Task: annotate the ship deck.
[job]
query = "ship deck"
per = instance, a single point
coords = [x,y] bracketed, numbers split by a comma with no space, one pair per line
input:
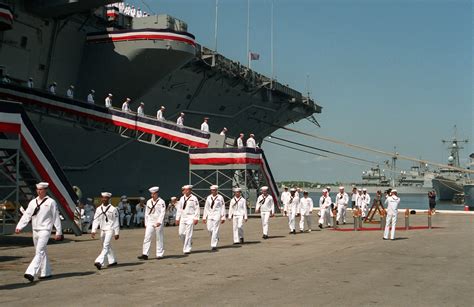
[421,268]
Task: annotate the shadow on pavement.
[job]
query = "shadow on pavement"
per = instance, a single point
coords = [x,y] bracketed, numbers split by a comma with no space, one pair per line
[27,284]
[9,258]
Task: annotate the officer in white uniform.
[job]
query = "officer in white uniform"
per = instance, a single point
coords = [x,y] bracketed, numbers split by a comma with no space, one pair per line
[44,214]
[366,202]
[154,217]
[324,209]
[285,195]
[187,215]
[90,97]
[251,141]
[160,113]
[141,109]
[205,125]
[305,210]
[126,105]
[125,211]
[52,88]
[354,197]
[341,201]
[107,218]
[140,212]
[266,206]
[214,215]
[70,92]
[30,83]
[108,101]
[391,203]
[290,208]
[238,215]
[359,199]
[240,141]
[180,120]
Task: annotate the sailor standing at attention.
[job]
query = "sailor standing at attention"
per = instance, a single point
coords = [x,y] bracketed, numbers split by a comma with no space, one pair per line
[140,212]
[90,97]
[205,125]
[391,203]
[126,105]
[290,209]
[141,109]
[107,218]
[238,214]
[342,200]
[354,197]
[266,206]
[180,120]
[187,215]
[108,101]
[366,202]
[52,88]
[251,141]
[324,209]
[44,214]
[70,92]
[160,113]
[223,132]
[240,141]
[359,199]
[285,195]
[125,211]
[30,83]
[305,210]
[214,215]
[154,216]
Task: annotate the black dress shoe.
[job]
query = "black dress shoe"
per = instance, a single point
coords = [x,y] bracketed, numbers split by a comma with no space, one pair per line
[159,258]
[30,278]
[143,257]
[45,277]
[293,231]
[337,222]
[113,264]
[214,249]
[241,240]
[187,253]
[301,231]
[236,243]
[265,237]
[320,226]
[98,266]
[385,239]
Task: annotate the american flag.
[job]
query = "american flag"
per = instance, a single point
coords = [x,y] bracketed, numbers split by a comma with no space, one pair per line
[254,56]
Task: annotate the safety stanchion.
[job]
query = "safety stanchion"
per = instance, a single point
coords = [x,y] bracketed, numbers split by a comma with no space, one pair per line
[407,219]
[356,219]
[334,218]
[359,218]
[429,219]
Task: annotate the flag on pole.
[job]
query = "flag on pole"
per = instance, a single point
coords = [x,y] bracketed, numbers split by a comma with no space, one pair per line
[254,56]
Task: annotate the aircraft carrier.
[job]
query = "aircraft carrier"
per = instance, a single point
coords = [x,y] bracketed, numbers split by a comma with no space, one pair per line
[153,59]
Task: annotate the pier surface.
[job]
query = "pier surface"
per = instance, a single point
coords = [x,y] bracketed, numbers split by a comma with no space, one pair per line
[421,268]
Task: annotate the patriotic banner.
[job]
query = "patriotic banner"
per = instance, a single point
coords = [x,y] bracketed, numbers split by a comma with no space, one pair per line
[6,17]
[13,119]
[112,12]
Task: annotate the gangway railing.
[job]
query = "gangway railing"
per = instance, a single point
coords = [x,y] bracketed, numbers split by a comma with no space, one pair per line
[31,161]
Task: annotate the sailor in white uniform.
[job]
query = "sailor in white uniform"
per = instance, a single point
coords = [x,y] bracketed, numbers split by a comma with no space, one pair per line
[171,212]
[290,208]
[354,197]
[391,203]
[160,113]
[6,79]
[52,88]
[141,109]
[214,215]
[180,120]
[125,211]
[285,195]
[223,132]
[341,201]
[251,141]
[90,97]
[305,210]
[266,206]
[89,211]
[187,215]
[359,199]
[44,214]
[108,101]
[365,203]
[107,218]
[240,141]
[205,125]
[238,215]
[154,218]
[126,105]
[30,83]
[324,209]
[133,12]
[70,92]
[140,212]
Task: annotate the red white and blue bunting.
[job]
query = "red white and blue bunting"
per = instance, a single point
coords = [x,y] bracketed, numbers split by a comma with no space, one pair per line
[6,17]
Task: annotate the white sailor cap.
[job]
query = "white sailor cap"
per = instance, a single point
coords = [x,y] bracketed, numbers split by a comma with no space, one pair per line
[142,103]
[55,83]
[188,186]
[305,192]
[71,86]
[213,187]
[110,95]
[237,190]
[142,198]
[30,78]
[328,187]
[106,194]
[128,99]
[42,185]
[252,135]
[394,191]
[123,197]
[182,114]
[325,191]
[173,198]
[341,188]
[163,107]
[92,91]
[292,190]
[360,190]
[285,187]
[364,190]
[89,199]
[264,188]
[154,189]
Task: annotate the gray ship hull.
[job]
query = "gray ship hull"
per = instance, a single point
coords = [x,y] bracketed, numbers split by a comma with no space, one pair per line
[446,188]
[469,195]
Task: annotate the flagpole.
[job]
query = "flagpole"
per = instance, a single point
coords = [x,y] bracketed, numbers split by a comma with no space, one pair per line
[248,34]
[215,27]
[271,48]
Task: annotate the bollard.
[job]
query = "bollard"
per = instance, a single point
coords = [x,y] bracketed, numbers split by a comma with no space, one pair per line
[359,218]
[334,219]
[407,219]
[382,219]
[429,219]
[354,214]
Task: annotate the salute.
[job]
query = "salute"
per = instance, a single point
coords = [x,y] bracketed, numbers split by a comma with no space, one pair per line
[342,200]
[107,217]
[266,206]
[290,208]
[214,215]
[324,209]
[155,210]
[187,215]
[305,209]
[44,214]
[238,214]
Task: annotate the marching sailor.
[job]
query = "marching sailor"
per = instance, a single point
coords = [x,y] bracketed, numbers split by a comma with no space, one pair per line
[285,195]
[70,92]
[159,114]
[266,206]
[290,208]
[125,211]
[126,105]
[154,217]
[251,141]
[107,218]
[342,200]
[305,210]
[391,203]
[108,101]
[141,109]
[205,125]
[214,215]
[366,202]
[140,212]
[238,214]
[324,209]
[240,141]
[187,215]
[180,120]
[43,214]
[90,97]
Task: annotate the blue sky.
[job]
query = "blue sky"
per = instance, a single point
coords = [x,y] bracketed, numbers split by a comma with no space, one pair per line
[387,72]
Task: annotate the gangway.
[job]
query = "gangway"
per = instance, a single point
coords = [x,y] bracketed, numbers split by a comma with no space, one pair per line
[24,160]
[246,168]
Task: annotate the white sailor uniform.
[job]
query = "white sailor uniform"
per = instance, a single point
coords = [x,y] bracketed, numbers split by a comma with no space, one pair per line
[391,203]
[324,211]
[341,203]
[186,213]
[291,208]
[154,214]
[266,206]
[107,218]
[305,209]
[238,213]
[214,214]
